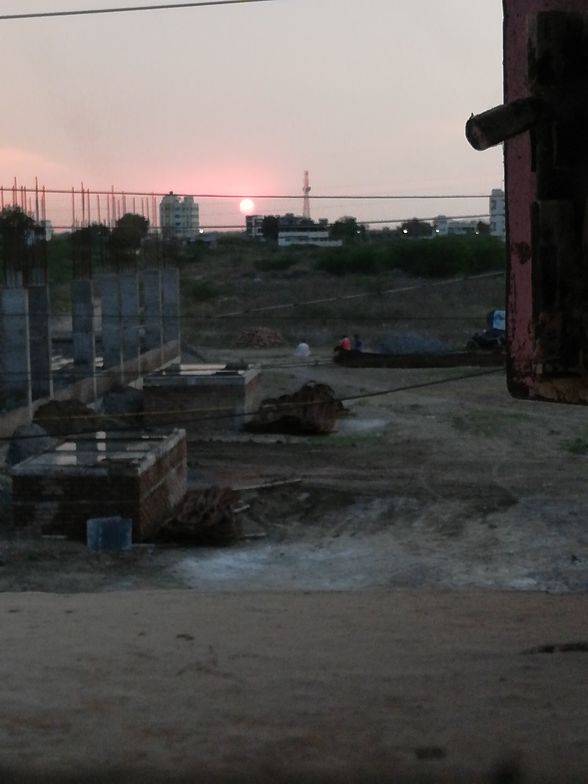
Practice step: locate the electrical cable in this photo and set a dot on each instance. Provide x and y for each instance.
(287, 197)
(127, 9)
(366, 222)
(224, 416)
(362, 295)
(321, 301)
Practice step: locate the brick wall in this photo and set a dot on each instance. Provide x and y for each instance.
(58, 502)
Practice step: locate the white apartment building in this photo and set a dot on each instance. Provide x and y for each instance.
(446, 227)
(498, 214)
(319, 239)
(254, 226)
(179, 218)
(296, 230)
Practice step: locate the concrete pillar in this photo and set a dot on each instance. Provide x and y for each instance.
(152, 309)
(40, 341)
(83, 330)
(111, 323)
(129, 308)
(171, 303)
(15, 362)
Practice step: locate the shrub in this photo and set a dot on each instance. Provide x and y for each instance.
(280, 261)
(350, 260)
(200, 290)
(429, 258)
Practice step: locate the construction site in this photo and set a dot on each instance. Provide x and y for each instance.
(294, 520)
(263, 519)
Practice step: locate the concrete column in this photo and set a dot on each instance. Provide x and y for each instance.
(40, 341)
(111, 323)
(83, 331)
(15, 362)
(171, 304)
(152, 309)
(129, 308)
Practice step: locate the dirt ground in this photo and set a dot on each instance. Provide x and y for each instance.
(409, 605)
(449, 486)
(298, 687)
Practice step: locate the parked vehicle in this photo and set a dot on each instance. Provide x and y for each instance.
(493, 338)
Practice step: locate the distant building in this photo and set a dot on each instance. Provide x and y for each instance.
(179, 218)
(295, 230)
(497, 214)
(254, 226)
(445, 227)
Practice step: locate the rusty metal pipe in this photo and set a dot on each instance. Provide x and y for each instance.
(503, 122)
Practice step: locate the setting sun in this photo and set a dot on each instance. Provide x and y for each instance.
(247, 206)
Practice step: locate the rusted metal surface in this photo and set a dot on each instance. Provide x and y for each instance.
(546, 58)
(495, 125)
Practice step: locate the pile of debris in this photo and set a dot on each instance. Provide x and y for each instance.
(312, 410)
(66, 417)
(205, 517)
(259, 337)
(121, 407)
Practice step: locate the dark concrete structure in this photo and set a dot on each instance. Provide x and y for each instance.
(203, 398)
(102, 475)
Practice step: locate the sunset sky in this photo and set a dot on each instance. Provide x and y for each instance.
(371, 97)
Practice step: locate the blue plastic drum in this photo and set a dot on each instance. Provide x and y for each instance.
(109, 534)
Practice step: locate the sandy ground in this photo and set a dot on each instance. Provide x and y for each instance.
(453, 486)
(374, 625)
(359, 687)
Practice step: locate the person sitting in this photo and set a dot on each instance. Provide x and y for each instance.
(357, 343)
(302, 349)
(345, 343)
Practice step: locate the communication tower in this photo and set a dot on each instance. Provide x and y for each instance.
(306, 192)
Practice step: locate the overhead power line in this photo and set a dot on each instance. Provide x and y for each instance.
(268, 196)
(361, 295)
(366, 222)
(195, 415)
(336, 298)
(361, 222)
(127, 9)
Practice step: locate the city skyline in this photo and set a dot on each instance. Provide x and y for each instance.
(243, 99)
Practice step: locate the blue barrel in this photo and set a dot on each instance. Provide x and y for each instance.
(109, 534)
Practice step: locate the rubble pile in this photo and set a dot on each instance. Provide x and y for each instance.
(312, 410)
(27, 441)
(205, 517)
(259, 337)
(65, 417)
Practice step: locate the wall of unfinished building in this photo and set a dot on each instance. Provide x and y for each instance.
(202, 404)
(135, 316)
